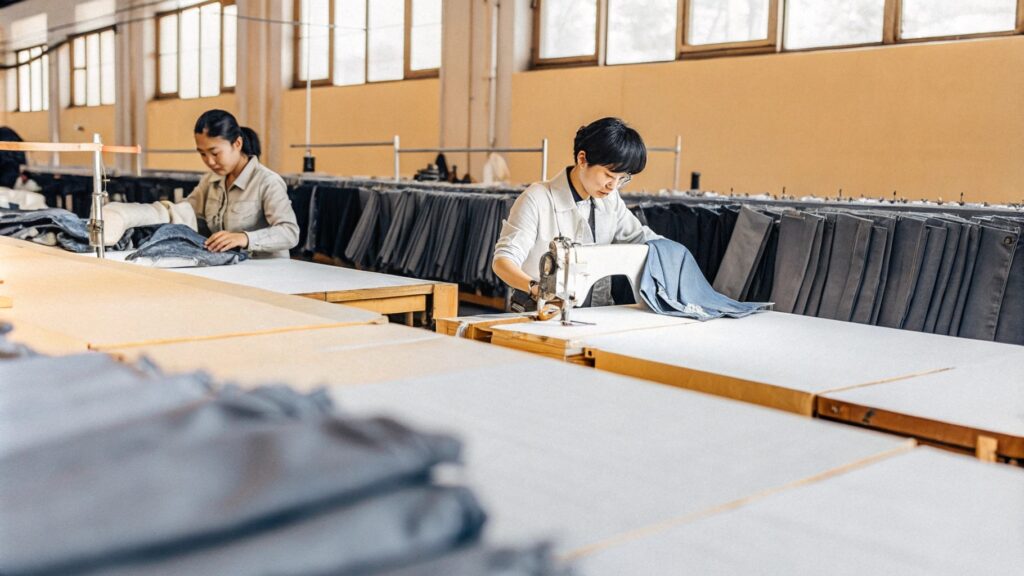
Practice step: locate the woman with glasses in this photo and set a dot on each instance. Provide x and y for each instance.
(582, 203)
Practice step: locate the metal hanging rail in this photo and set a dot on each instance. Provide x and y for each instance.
(397, 150)
(139, 159)
(97, 148)
(543, 150)
(677, 151)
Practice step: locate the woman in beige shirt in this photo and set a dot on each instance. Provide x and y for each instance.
(241, 203)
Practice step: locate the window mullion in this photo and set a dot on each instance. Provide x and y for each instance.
(891, 32)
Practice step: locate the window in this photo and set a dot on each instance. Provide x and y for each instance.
(568, 31)
(425, 36)
(356, 41)
(350, 42)
(603, 32)
(634, 31)
(713, 23)
(92, 68)
(314, 47)
(641, 31)
(942, 18)
(821, 23)
(33, 83)
(386, 40)
(196, 50)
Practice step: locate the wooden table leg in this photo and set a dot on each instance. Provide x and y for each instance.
(446, 301)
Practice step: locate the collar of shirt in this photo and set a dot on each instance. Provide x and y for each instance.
(575, 195)
(243, 179)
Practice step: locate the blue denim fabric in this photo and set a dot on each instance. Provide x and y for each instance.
(177, 242)
(673, 284)
(69, 231)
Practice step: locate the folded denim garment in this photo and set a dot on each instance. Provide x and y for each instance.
(178, 246)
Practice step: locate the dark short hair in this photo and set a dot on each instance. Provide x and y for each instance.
(222, 124)
(611, 142)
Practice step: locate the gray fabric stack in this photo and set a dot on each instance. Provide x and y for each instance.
(109, 468)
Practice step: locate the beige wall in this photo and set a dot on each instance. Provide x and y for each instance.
(96, 119)
(170, 124)
(369, 112)
(32, 127)
(929, 120)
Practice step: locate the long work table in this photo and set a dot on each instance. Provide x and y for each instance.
(61, 303)
(955, 392)
(783, 360)
(373, 291)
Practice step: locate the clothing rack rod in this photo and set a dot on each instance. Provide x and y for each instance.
(343, 145)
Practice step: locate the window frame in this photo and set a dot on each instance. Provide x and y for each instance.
(774, 43)
(220, 56)
(539, 63)
(44, 52)
(411, 74)
(407, 74)
(770, 44)
(897, 27)
(890, 28)
(296, 81)
(72, 69)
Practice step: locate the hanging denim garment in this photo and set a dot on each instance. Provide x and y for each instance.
(674, 285)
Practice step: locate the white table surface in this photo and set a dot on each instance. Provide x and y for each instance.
(923, 513)
(564, 451)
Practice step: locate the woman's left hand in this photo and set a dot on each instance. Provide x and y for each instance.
(223, 241)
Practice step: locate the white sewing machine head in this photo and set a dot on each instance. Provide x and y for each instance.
(569, 270)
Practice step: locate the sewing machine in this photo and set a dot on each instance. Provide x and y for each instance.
(569, 270)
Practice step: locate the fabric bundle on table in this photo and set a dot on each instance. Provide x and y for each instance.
(110, 468)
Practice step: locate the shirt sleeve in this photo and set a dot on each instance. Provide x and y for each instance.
(283, 230)
(519, 230)
(628, 229)
(197, 198)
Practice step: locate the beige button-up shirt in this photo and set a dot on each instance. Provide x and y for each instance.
(257, 204)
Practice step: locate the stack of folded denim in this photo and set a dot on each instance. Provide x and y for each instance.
(51, 227)
(108, 468)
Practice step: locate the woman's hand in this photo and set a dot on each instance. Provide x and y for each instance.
(223, 241)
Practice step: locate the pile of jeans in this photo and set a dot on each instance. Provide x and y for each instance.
(111, 468)
(52, 227)
(958, 273)
(161, 246)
